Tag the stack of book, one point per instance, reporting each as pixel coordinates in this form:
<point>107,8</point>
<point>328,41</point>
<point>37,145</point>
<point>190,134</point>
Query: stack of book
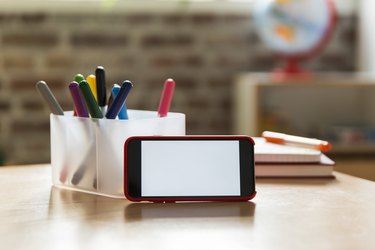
<point>276,160</point>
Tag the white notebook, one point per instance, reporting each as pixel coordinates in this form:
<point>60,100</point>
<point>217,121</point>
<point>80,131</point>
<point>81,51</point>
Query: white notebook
<point>276,153</point>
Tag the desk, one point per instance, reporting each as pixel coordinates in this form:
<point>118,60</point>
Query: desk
<point>286,214</point>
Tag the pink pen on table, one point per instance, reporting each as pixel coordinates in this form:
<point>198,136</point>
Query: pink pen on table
<point>166,98</point>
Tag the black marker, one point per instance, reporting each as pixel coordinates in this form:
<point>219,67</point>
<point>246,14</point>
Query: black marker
<point>100,87</point>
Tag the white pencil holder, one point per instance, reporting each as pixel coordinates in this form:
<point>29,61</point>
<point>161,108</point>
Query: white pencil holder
<point>87,154</point>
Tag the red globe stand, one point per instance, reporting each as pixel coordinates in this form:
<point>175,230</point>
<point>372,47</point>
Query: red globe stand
<point>292,70</point>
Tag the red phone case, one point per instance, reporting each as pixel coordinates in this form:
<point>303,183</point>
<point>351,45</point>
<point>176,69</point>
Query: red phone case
<point>182,198</point>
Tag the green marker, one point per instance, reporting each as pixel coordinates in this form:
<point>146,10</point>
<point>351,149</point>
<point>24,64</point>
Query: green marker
<point>79,78</point>
<point>91,103</point>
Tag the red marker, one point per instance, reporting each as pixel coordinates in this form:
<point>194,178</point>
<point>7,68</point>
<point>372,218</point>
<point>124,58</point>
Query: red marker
<point>166,98</point>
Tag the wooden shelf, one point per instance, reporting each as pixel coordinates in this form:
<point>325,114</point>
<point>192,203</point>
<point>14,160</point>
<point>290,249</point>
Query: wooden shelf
<point>325,107</point>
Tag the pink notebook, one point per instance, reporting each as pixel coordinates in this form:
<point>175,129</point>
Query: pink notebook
<point>323,168</point>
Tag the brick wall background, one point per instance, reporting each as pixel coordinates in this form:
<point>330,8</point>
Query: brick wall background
<point>202,51</point>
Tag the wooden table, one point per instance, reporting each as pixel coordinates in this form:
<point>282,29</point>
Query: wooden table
<point>286,214</point>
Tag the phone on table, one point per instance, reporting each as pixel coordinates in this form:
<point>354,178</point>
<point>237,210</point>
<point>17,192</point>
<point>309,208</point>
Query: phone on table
<point>189,168</point>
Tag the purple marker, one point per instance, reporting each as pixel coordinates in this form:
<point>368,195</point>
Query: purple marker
<point>119,101</point>
<point>78,100</point>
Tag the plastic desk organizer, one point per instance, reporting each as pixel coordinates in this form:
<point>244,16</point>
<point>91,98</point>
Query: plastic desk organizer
<point>87,154</point>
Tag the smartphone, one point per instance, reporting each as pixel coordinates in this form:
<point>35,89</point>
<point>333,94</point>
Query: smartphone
<point>189,168</point>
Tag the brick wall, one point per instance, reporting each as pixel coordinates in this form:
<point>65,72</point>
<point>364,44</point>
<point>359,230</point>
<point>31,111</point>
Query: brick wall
<point>202,51</point>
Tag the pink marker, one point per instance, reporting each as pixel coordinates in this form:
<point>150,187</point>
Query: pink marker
<point>166,98</point>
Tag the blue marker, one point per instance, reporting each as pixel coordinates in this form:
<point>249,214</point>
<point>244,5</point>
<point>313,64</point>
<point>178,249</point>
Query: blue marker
<point>123,114</point>
<point>119,101</point>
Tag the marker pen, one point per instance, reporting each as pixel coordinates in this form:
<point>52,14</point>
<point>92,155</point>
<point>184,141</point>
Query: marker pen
<point>119,100</point>
<point>166,97</point>
<point>79,102</point>
<point>91,79</point>
<point>46,93</point>
<point>95,112</point>
<point>79,78</point>
<point>100,87</point>
<point>281,138</point>
<point>56,109</point>
<point>123,113</point>
<point>91,104</point>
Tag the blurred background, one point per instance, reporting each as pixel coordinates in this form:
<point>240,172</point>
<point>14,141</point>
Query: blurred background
<point>204,45</point>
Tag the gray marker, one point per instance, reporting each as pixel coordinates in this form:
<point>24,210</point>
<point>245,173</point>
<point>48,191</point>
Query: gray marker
<point>43,89</point>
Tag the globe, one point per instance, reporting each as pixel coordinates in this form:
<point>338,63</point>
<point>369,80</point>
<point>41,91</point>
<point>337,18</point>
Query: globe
<point>294,29</point>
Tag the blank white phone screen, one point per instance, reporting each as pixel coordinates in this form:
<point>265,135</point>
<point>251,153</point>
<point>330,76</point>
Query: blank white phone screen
<point>190,168</point>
